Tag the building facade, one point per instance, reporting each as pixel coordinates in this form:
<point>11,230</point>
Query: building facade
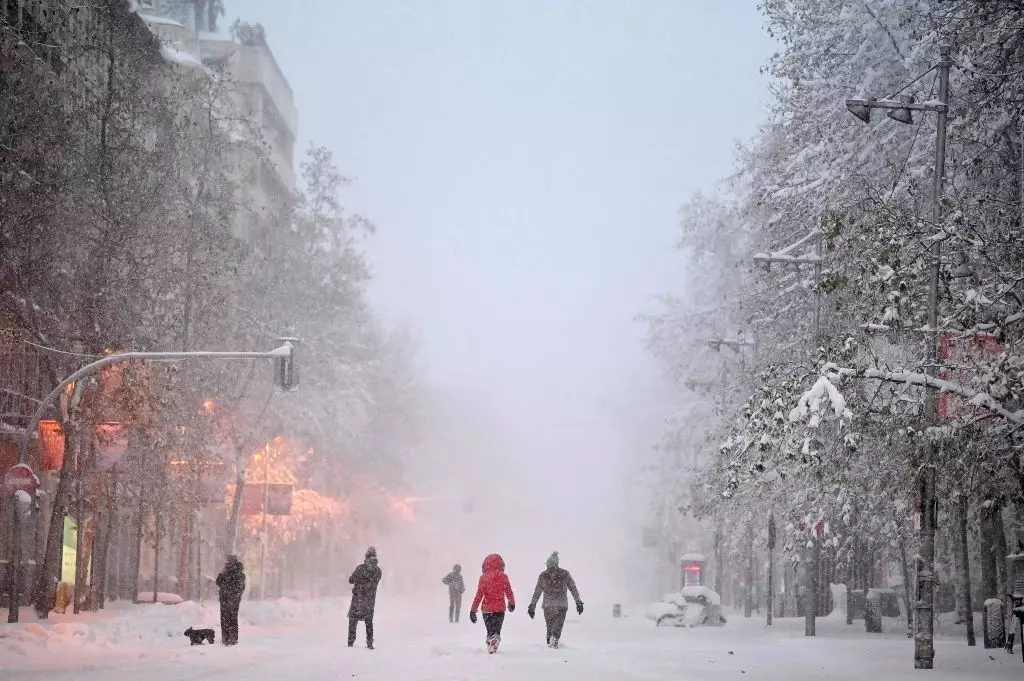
<point>261,93</point>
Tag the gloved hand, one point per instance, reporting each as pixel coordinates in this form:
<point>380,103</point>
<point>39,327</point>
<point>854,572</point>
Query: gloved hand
<point>579,608</point>
<point>532,611</point>
<point>472,617</point>
<point>511,607</point>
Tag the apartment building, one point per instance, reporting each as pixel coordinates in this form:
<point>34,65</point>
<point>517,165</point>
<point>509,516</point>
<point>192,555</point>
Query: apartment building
<point>191,29</point>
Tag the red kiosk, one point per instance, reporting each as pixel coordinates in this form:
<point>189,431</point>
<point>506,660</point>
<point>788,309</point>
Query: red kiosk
<point>692,568</point>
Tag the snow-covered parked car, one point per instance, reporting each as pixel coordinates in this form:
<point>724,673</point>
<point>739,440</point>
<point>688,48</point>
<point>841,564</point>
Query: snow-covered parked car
<point>692,606</point>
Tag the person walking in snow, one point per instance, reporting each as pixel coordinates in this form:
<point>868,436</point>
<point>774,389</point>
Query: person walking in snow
<point>553,584</point>
<point>456,586</point>
<point>230,587</point>
<point>364,581</point>
<point>491,592</point>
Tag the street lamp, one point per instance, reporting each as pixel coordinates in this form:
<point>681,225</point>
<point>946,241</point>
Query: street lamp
<point>900,110</point>
<point>733,344</point>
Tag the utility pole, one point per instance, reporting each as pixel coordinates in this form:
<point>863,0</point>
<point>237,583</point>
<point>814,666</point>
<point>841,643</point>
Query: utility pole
<point>812,565</point>
<point>901,111</point>
<point>924,623</point>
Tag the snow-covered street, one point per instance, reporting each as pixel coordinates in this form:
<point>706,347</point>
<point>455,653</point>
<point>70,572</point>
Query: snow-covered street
<point>307,641</point>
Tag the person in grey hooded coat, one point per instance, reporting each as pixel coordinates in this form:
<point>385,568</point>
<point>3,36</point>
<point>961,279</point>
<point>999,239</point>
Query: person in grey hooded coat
<point>364,581</point>
<point>456,587</point>
<point>553,584</point>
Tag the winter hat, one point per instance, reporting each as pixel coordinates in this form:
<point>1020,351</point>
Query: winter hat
<point>457,568</point>
<point>371,552</point>
<point>553,559</point>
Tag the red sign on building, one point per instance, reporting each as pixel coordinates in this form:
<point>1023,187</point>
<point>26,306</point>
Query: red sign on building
<point>959,352</point>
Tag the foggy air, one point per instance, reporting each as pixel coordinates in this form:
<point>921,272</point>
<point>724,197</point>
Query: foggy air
<point>543,339</point>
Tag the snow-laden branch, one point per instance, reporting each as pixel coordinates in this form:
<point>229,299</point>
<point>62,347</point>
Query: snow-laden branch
<point>974,398</point>
<point>810,403</point>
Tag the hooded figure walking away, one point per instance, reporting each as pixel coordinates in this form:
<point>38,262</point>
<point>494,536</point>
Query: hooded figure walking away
<point>230,586</point>
<point>364,582</point>
<point>456,586</point>
<point>553,583</point>
<point>491,592</point>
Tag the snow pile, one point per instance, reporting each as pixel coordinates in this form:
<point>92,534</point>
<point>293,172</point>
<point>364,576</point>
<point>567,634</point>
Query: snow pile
<point>695,592</point>
<point>655,611</point>
<point>143,628</point>
<point>161,597</point>
<point>181,58</point>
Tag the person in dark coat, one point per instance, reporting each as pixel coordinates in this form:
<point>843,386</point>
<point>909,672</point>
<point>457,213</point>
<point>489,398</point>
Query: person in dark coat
<point>231,586</point>
<point>456,586</point>
<point>364,581</point>
<point>553,584</point>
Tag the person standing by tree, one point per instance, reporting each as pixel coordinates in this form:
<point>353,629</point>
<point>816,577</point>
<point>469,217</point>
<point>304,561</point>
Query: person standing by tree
<point>364,581</point>
<point>491,592</point>
<point>230,586</point>
<point>553,583</point>
<point>456,586</point>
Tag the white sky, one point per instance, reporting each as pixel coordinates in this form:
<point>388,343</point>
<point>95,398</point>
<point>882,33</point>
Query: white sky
<point>524,162</point>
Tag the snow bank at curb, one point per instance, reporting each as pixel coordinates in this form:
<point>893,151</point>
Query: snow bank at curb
<point>147,625</point>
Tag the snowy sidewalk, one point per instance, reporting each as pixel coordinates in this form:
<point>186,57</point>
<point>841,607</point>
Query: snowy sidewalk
<point>127,634</point>
<point>415,642</point>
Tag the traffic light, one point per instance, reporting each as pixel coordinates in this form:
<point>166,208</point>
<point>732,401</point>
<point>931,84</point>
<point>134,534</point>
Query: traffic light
<point>286,369</point>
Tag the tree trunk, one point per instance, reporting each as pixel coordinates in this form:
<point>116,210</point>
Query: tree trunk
<point>989,575</point>
<point>1000,551</point>
<point>718,562</point>
<point>101,555</point>
<point>811,588</point>
<point>185,557</point>
<point>236,506</point>
<point>748,587</point>
<point>45,596</point>
<point>156,553</point>
<point>851,564</point>
<point>907,588</point>
<point>1002,566</point>
<point>81,465</point>
<point>965,566</point>
<point>135,560</point>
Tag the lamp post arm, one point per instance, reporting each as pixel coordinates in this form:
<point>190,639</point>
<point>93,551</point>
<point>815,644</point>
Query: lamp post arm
<point>935,107</point>
<point>89,369</point>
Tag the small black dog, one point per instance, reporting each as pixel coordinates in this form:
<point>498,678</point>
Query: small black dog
<point>197,636</point>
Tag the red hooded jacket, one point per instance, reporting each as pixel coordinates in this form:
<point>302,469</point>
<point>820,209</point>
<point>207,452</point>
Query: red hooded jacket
<point>494,587</point>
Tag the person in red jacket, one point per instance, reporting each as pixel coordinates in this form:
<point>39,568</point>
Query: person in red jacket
<point>491,592</point>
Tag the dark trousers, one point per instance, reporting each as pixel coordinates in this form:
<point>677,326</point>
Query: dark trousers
<point>454,606</point>
<point>554,618</point>
<point>352,622</point>
<point>493,622</point>
<point>229,621</point>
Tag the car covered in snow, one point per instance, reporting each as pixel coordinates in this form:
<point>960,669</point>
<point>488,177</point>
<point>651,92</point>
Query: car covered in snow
<point>691,606</point>
<point>695,604</point>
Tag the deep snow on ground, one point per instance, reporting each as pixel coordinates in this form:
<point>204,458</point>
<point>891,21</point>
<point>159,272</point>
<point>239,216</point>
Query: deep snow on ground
<point>306,640</point>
